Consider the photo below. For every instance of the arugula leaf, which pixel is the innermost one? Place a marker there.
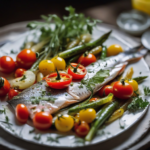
(147, 91)
(137, 104)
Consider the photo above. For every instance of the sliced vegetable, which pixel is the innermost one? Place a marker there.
(42, 120)
(86, 59)
(26, 58)
(4, 86)
(122, 90)
(19, 72)
(59, 63)
(93, 105)
(77, 71)
(46, 67)
(13, 93)
(87, 115)
(58, 80)
(104, 52)
(117, 114)
(82, 129)
(39, 77)
(102, 116)
(22, 113)
(114, 49)
(7, 64)
(64, 123)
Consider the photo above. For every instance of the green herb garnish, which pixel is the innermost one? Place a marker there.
(137, 104)
(147, 91)
(37, 137)
(23, 78)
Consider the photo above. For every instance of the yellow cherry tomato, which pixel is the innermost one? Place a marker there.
(46, 67)
(64, 123)
(114, 50)
(133, 83)
(59, 63)
(87, 115)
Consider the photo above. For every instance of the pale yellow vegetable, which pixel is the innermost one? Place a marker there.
(73, 43)
(96, 50)
(29, 44)
(39, 77)
(129, 73)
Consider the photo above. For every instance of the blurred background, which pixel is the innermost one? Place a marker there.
(12, 11)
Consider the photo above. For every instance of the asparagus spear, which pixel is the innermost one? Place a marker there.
(82, 48)
(95, 104)
(103, 115)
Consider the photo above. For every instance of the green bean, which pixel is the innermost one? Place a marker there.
(104, 52)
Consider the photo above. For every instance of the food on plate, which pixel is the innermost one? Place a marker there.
(51, 79)
(4, 86)
(42, 120)
(114, 49)
(86, 59)
(22, 113)
(26, 58)
(7, 64)
(12, 93)
(77, 71)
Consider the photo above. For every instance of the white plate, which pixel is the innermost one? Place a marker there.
(70, 140)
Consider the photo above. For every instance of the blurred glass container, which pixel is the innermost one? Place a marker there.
(134, 22)
(142, 5)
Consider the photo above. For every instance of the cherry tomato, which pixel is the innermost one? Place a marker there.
(133, 83)
(59, 63)
(12, 93)
(7, 64)
(22, 113)
(87, 115)
(114, 49)
(86, 60)
(42, 120)
(63, 82)
(77, 73)
(46, 67)
(19, 72)
(122, 90)
(82, 129)
(93, 99)
(26, 58)
(105, 90)
(4, 86)
(64, 123)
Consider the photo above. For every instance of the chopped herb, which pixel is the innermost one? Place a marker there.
(80, 86)
(147, 91)
(37, 137)
(32, 131)
(137, 104)
(66, 94)
(105, 65)
(52, 139)
(71, 84)
(6, 118)
(2, 111)
(23, 78)
(92, 64)
(140, 72)
(90, 71)
(13, 52)
(79, 140)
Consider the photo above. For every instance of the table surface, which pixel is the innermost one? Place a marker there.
(108, 13)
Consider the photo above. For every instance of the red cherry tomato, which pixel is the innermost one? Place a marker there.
(122, 90)
(105, 90)
(26, 58)
(82, 129)
(22, 113)
(42, 120)
(4, 86)
(7, 64)
(19, 72)
(12, 93)
(63, 82)
(93, 99)
(80, 71)
(86, 60)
